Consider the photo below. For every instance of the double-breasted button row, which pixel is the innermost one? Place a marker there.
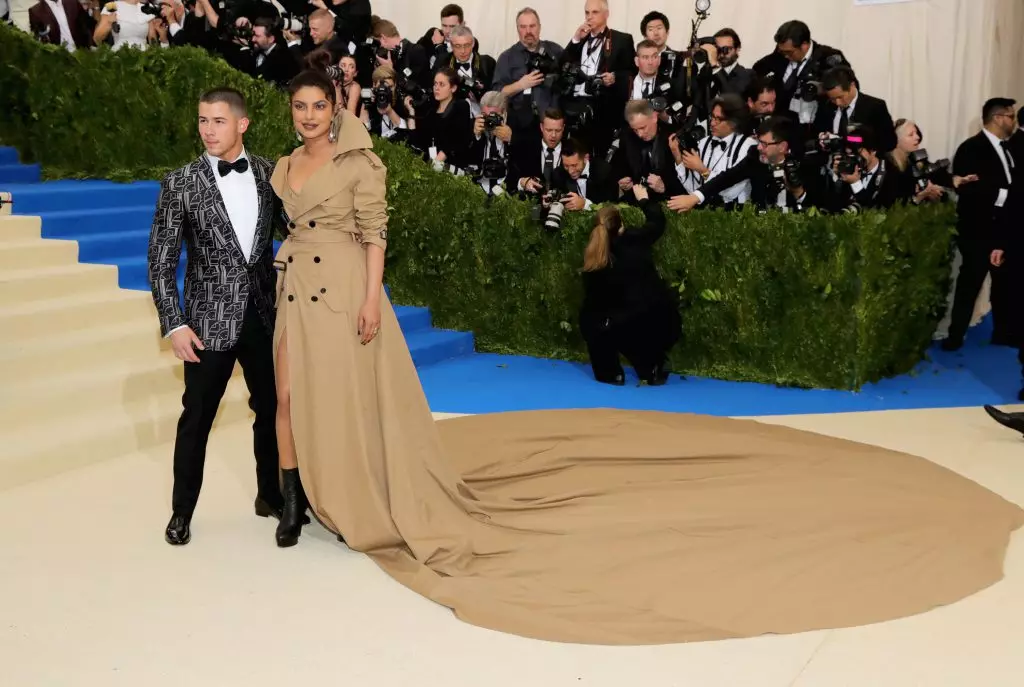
(312, 224)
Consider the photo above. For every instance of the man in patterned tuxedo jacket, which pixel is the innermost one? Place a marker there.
(223, 208)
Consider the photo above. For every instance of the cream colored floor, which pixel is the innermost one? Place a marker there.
(91, 595)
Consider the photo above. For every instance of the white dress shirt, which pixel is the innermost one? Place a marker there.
(66, 40)
(640, 83)
(241, 201)
(581, 183)
(839, 114)
(806, 112)
(997, 144)
(718, 159)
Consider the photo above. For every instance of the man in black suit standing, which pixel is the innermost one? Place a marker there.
(605, 53)
(223, 207)
(475, 70)
(848, 105)
(797, 60)
(983, 207)
(729, 76)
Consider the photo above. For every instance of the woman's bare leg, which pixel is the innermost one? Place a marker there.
(285, 438)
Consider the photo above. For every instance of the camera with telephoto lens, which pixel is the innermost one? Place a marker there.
(572, 75)
(492, 169)
(288, 22)
(578, 116)
(408, 88)
(690, 132)
(925, 171)
(242, 33)
(698, 54)
(659, 99)
(667, 67)
(810, 88)
(541, 62)
(549, 210)
(153, 9)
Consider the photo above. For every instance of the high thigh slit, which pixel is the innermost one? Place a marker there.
(596, 526)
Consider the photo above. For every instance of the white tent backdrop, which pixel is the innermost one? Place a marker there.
(935, 61)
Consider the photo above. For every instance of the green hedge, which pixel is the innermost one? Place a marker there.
(803, 300)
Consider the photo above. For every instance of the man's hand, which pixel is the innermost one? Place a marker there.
(692, 161)
(582, 31)
(531, 80)
(437, 38)
(625, 183)
(478, 126)
(182, 341)
(673, 145)
(851, 178)
(656, 183)
(960, 181)
(996, 258)
(608, 78)
(640, 192)
(682, 203)
(530, 184)
(503, 133)
(575, 202)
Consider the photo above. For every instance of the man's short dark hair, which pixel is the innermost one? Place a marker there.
(993, 106)
(229, 96)
(758, 85)
(653, 16)
(734, 109)
(573, 146)
(453, 11)
(795, 31)
(780, 128)
(838, 77)
(553, 113)
(730, 33)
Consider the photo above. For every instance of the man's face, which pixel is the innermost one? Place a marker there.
(261, 38)
(764, 105)
(644, 126)
(793, 53)
(648, 60)
(220, 128)
(528, 27)
(870, 158)
(575, 164)
(1005, 121)
(552, 131)
(390, 42)
(720, 128)
(596, 14)
(321, 30)
(770, 150)
(657, 32)
(840, 98)
(727, 52)
(448, 23)
(462, 48)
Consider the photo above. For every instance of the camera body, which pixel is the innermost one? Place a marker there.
(541, 62)
(407, 88)
(690, 132)
(153, 10)
(572, 75)
(493, 169)
(786, 174)
(492, 120)
(550, 210)
(468, 88)
(924, 170)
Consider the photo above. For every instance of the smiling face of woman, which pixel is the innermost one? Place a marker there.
(312, 110)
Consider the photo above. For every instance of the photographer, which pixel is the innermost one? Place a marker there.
(536, 154)
(627, 309)
(847, 105)
(407, 59)
(778, 178)
(726, 147)
(933, 181)
(436, 42)
(383, 113)
(524, 73)
(644, 156)
(867, 180)
(272, 61)
(492, 138)
(761, 100)
(445, 131)
(798, 64)
(603, 57)
(582, 181)
(729, 76)
(650, 82)
(476, 71)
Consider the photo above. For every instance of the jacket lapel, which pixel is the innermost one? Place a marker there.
(265, 196)
(214, 213)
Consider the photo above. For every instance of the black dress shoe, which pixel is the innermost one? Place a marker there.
(1014, 421)
(265, 510)
(178, 532)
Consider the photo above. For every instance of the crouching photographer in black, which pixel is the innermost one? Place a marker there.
(861, 178)
(779, 176)
(627, 309)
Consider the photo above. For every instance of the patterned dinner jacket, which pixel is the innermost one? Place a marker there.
(219, 281)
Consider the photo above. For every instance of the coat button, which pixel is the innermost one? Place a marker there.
(291, 225)
(291, 298)
(312, 224)
(323, 290)
(316, 259)
(290, 258)
(314, 299)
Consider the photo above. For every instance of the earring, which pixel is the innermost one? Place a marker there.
(298, 137)
(332, 134)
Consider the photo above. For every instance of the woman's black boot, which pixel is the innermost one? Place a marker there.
(290, 527)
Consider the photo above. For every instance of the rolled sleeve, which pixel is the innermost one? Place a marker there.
(371, 203)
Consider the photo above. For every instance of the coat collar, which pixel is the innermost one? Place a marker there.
(352, 137)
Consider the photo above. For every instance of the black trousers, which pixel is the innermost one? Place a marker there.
(973, 270)
(644, 340)
(205, 383)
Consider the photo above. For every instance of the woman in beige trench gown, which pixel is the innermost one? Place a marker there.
(594, 526)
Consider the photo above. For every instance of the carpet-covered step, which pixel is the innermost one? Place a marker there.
(72, 195)
(111, 247)
(18, 174)
(43, 283)
(15, 228)
(26, 254)
(73, 313)
(110, 382)
(8, 156)
(69, 352)
(53, 444)
(77, 224)
(431, 346)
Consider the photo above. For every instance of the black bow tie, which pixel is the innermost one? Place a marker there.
(464, 65)
(715, 143)
(583, 177)
(241, 165)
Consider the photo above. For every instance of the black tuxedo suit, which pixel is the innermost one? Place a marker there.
(869, 111)
(482, 67)
(672, 91)
(526, 158)
(229, 304)
(822, 58)
(279, 67)
(617, 56)
(886, 187)
(737, 81)
(637, 159)
(979, 223)
(602, 186)
(763, 188)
